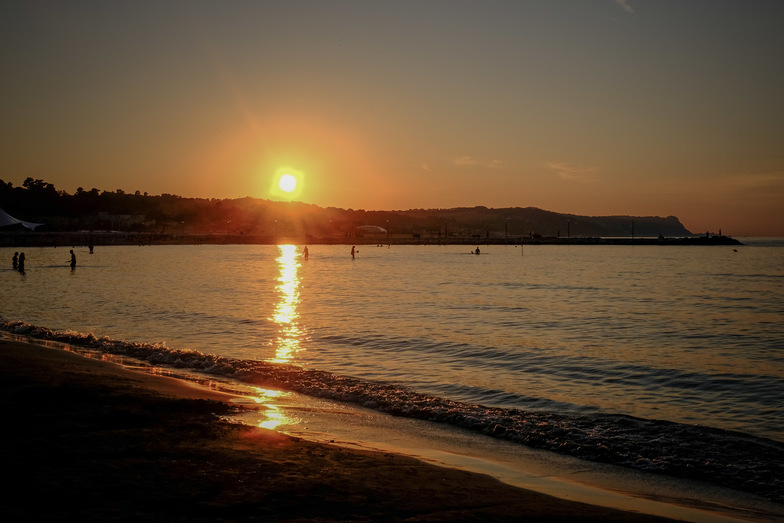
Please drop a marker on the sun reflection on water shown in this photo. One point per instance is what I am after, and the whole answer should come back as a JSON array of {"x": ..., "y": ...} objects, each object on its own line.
[{"x": 286, "y": 311}]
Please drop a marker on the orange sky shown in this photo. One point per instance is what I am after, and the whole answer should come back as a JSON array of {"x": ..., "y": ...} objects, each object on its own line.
[{"x": 600, "y": 107}]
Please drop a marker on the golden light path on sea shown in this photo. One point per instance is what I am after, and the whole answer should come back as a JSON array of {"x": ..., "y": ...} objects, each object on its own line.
[
  {"x": 286, "y": 311},
  {"x": 287, "y": 342}
]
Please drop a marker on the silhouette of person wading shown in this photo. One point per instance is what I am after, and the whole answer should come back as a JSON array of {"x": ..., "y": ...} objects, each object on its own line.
[
  {"x": 15, "y": 260},
  {"x": 73, "y": 260}
]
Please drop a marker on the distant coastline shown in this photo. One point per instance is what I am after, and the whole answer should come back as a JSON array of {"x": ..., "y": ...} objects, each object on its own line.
[
  {"x": 103, "y": 238},
  {"x": 125, "y": 218}
]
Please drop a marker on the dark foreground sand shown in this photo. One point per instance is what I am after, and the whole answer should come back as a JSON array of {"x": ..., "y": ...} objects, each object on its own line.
[{"x": 87, "y": 440}]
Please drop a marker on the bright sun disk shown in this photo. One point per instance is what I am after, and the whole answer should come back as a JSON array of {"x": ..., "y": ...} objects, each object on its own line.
[{"x": 287, "y": 183}]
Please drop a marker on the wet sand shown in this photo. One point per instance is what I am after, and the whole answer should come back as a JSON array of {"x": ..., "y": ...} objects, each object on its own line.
[{"x": 89, "y": 440}]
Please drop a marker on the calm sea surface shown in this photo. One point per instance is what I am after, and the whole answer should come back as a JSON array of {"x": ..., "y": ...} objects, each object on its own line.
[{"x": 692, "y": 335}]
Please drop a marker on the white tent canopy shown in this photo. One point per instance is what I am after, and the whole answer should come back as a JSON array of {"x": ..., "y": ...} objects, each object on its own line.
[
  {"x": 372, "y": 229},
  {"x": 6, "y": 220}
]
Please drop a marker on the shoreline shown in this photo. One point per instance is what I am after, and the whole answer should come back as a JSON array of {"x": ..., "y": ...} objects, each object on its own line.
[
  {"x": 109, "y": 238},
  {"x": 542, "y": 471},
  {"x": 104, "y": 442},
  {"x": 336, "y": 425}
]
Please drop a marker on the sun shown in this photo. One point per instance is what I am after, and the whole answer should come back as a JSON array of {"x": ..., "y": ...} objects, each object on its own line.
[{"x": 287, "y": 183}]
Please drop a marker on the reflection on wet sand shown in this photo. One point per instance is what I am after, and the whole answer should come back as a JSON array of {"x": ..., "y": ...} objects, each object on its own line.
[{"x": 272, "y": 416}]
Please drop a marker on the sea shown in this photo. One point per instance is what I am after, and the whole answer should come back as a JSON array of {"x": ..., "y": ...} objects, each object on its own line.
[{"x": 665, "y": 359}]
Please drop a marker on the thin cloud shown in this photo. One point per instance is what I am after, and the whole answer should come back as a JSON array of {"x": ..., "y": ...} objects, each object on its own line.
[
  {"x": 464, "y": 161},
  {"x": 626, "y": 7},
  {"x": 426, "y": 167},
  {"x": 469, "y": 161},
  {"x": 573, "y": 171}
]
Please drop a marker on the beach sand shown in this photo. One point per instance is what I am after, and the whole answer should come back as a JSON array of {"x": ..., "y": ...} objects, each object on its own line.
[{"x": 86, "y": 439}]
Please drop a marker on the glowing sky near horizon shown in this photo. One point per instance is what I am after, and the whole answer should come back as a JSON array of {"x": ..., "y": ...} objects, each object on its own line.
[{"x": 595, "y": 107}]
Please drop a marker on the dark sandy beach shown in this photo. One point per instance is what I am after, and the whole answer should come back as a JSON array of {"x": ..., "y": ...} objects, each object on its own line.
[{"x": 88, "y": 440}]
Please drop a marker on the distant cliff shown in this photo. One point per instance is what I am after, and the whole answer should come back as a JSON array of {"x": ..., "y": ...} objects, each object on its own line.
[{"x": 530, "y": 221}]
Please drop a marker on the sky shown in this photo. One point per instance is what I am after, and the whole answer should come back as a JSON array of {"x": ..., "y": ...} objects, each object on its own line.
[{"x": 594, "y": 107}]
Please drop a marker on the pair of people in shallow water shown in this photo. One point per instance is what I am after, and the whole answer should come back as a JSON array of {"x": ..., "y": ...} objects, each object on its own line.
[{"x": 18, "y": 261}]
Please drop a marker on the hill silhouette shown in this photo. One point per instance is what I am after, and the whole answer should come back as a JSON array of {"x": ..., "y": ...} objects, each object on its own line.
[{"x": 262, "y": 220}]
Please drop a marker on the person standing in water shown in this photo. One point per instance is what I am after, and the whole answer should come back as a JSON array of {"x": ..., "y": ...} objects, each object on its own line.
[
  {"x": 352, "y": 250},
  {"x": 73, "y": 260},
  {"x": 15, "y": 260},
  {"x": 305, "y": 253},
  {"x": 21, "y": 262}
]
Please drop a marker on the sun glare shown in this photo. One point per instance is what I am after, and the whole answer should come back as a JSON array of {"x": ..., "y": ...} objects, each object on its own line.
[{"x": 287, "y": 183}]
